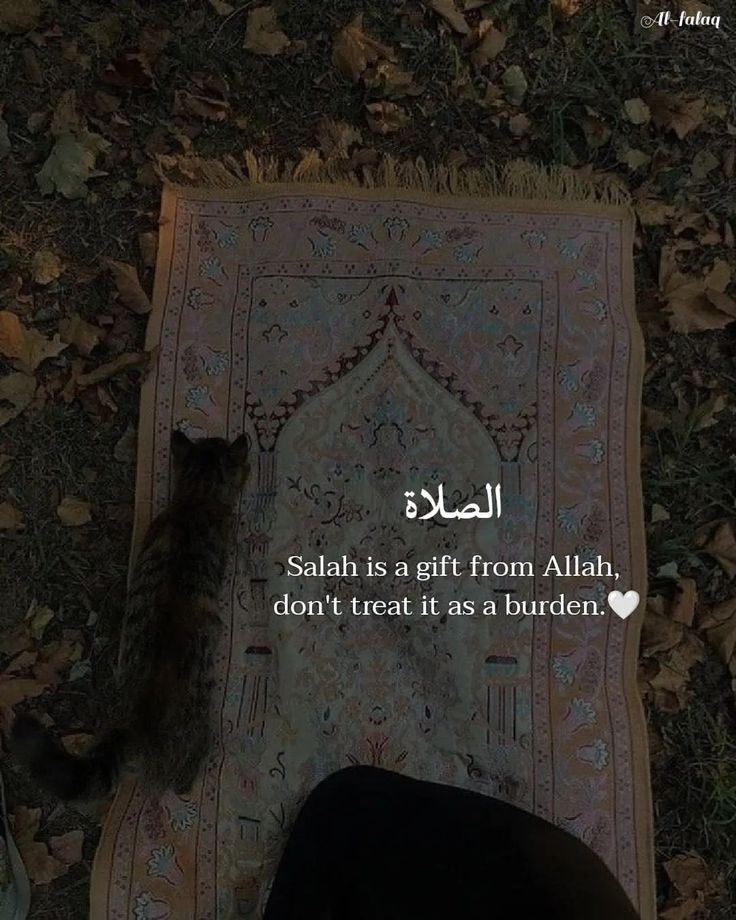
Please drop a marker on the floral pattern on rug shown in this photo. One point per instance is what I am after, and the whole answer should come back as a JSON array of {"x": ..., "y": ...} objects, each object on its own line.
[{"x": 371, "y": 346}]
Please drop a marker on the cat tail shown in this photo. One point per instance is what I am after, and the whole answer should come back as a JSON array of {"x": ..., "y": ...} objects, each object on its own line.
[{"x": 67, "y": 776}]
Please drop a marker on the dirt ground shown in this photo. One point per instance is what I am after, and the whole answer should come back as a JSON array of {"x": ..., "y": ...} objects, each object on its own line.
[{"x": 98, "y": 100}]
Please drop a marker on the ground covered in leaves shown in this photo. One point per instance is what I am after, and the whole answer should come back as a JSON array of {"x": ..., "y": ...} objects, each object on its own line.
[{"x": 98, "y": 103}]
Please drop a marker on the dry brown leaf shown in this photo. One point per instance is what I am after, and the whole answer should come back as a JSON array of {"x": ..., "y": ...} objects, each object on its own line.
[
  {"x": 37, "y": 619},
  {"x": 684, "y": 601},
  {"x": 16, "y": 392},
  {"x": 10, "y": 517},
  {"x": 46, "y": 267},
  {"x": 519, "y": 125},
  {"x": 718, "y": 625},
  {"x": 129, "y": 287},
  {"x": 27, "y": 348},
  {"x": 78, "y": 332},
  {"x": 385, "y": 117},
  {"x": 148, "y": 246},
  {"x": 67, "y": 848},
  {"x": 653, "y": 212},
  {"x": 221, "y": 7},
  {"x": 391, "y": 81},
  {"x": 490, "y": 46},
  {"x": 17, "y": 689},
  {"x": 205, "y": 107},
  {"x": 696, "y": 304},
  {"x": 353, "y": 50},
  {"x": 41, "y": 866},
  {"x": 597, "y": 133},
  {"x": 676, "y": 113},
  {"x": 22, "y": 662},
  {"x": 565, "y": 9},
  {"x": 450, "y": 13},
  {"x": 688, "y": 873},
  {"x": 682, "y": 909},
  {"x": 74, "y": 512},
  {"x": 659, "y": 633},
  {"x": 722, "y": 547},
  {"x": 57, "y": 658},
  {"x": 263, "y": 33},
  {"x": 105, "y": 371}
]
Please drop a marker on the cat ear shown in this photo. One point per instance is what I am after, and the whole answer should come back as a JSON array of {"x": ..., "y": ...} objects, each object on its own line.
[
  {"x": 180, "y": 446},
  {"x": 240, "y": 448}
]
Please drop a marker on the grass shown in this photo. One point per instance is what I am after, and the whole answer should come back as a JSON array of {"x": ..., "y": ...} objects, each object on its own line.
[
  {"x": 696, "y": 805},
  {"x": 595, "y": 60}
]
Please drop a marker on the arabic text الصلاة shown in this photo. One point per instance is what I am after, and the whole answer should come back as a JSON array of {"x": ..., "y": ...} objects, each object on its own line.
[{"x": 437, "y": 505}]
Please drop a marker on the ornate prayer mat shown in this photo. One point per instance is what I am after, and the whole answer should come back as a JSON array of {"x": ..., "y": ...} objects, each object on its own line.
[{"x": 373, "y": 342}]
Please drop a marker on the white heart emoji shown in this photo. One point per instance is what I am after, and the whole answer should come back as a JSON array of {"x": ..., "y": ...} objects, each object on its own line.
[{"x": 623, "y": 605}]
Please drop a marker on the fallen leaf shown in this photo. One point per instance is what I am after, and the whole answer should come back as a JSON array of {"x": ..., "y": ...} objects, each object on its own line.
[
  {"x": 519, "y": 124},
  {"x": 450, "y": 13},
  {"x": 105, "y": 371},
  {"x": 391, "y": 81},
  {"x": 204, "y": 107},
  {"x": 79, "y": 333},
  {"x": 653, "y": 212},
  {"x": 41, "y": 866},
  {"x": 688, "y": 873},
  {"x": 515, "y": 84},
  {"x": 489, "y": 47},
  {"x": 17, "y": 689},
  {"x": 67, "y": 848},
  {"x": 27, "y": 348},
  {"x": 129, "y": 287},
  {"x": 637, "y": 111},
  {"x": 263, "y": 33},
  {"x": 74, "y": 512},
  {"x": 565, "y": 9},
  {"x": 722, "y": 547},
  {"x": 597, "y": 133},
  {"x": 353, "y": 50},
  {"x": 684, "y": 601},
  {"x": 634, "y": 159},
  {"x": 385, "y": 117},
  {"x": 71, "y": 164},
  {"x": 675, "y": 113},
  {"x": 37, "y": 619},
  {"x": 10, "y": 517},
  {"x": 221, "y": 8},
  {"x": 46, "y": 267},
  {"x": 703, "y": 163},
  {"x": 696, "y": 303},
  {"x": 718, "y": 626},
  {"x": 16, "y": 18},
  {"x": 659, "y": 513},
  {"x": 125, "y": 448},
  {"x": 17, "y": 391},
  {"x": 57, "y": 658},
  {"x": 148, "y": 246}
]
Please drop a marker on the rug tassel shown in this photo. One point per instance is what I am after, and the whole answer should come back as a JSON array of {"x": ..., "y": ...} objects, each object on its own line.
[{"x": 519, "y": 179}]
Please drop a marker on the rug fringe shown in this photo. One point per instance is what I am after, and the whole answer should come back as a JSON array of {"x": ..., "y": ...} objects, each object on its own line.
[{"x": 517, "y": 179}]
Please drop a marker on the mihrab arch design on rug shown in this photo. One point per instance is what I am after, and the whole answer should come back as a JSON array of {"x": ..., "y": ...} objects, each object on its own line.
[{"x": 370, "y": 342}]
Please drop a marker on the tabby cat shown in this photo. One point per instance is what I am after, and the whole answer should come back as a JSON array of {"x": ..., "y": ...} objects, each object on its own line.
[{"x": 170, "y": 628}]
